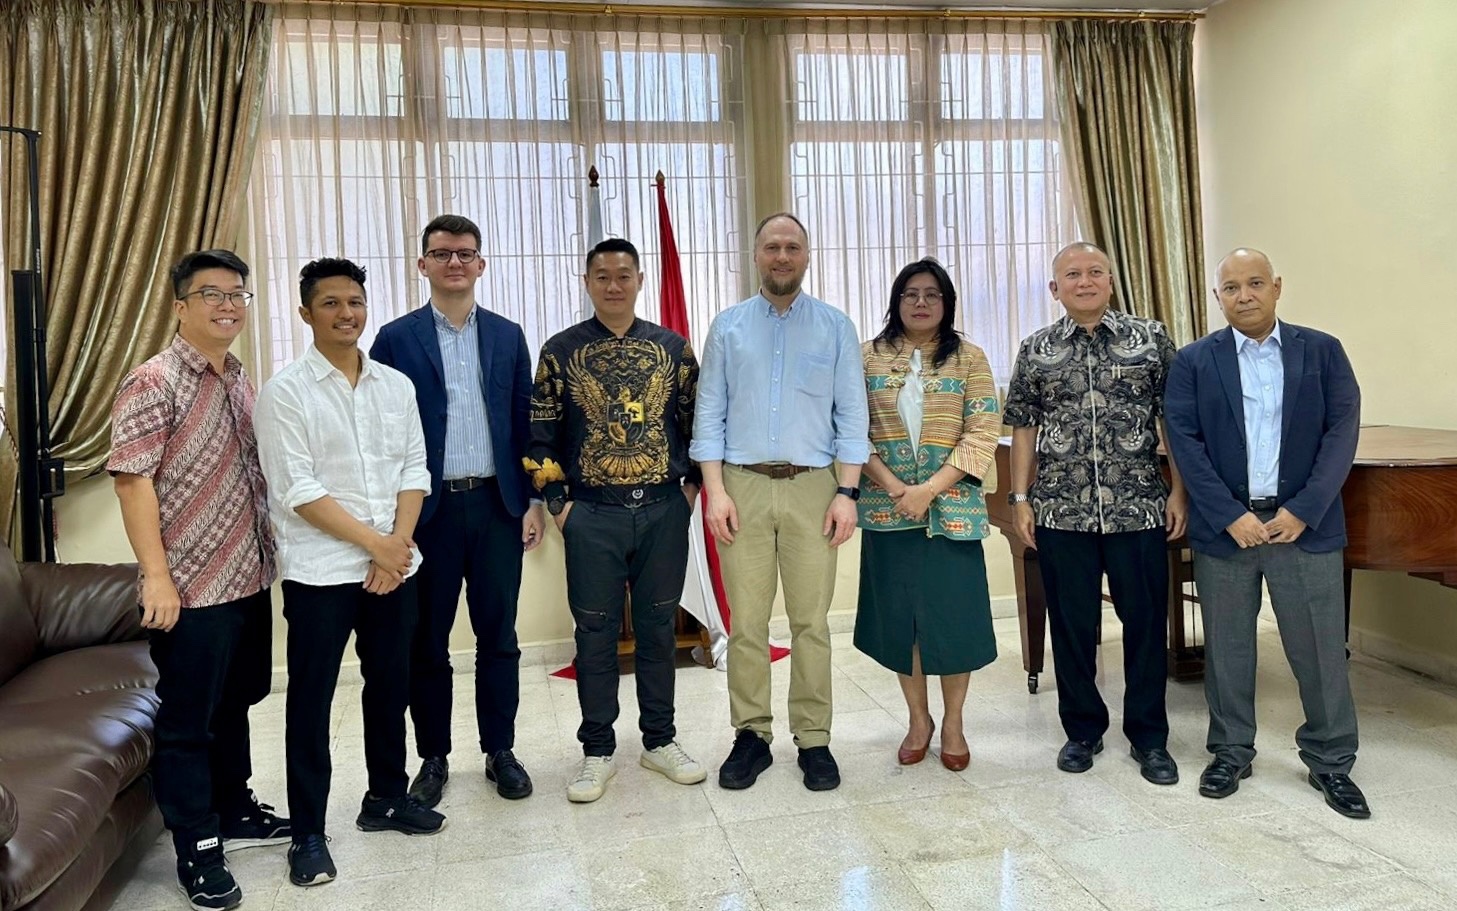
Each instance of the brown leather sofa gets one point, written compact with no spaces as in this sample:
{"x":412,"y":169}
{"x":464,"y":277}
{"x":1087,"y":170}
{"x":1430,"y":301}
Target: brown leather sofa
{"x":77,"y":702}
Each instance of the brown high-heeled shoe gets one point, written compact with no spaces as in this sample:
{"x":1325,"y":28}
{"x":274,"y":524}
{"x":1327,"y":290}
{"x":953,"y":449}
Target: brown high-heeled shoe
{"x":955,"y":762}
{"x":911,"y":757}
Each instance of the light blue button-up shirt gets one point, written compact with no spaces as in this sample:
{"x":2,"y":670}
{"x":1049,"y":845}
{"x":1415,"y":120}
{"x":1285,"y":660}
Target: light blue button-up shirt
{"x":782,"y":388}
{"x":1262,"y":389}
{"x":468,"y":452}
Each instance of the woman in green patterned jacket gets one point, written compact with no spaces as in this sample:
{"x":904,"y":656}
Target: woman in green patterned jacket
{"x":924,"y":605}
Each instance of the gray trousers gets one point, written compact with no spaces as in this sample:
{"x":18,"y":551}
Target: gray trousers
{"x":1308,"y":595}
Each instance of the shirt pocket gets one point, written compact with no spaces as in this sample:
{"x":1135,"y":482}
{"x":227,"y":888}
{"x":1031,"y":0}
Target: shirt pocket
{"x":1135,"y":381}
{"x":814,"y":374}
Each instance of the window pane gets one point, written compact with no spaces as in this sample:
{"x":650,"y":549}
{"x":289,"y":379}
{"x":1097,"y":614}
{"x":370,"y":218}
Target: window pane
{"x":992,"y":85}
{"x":339,"y":77}
{"x":840,"y":86}
{"x":506,"y":83}
{"x":661,"y":86}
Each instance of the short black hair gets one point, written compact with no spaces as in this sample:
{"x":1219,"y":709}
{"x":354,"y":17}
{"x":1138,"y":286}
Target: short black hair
{"x":789,"y":215}
{"x":450,"y":224}
{"x":318,"y":270}
{"x":193,"y":263}
{"x":947,"y":338}
{"x":614,"y":245}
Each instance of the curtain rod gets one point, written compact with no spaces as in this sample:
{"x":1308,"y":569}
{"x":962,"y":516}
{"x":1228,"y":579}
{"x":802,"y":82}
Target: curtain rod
{"x":753,"y":12}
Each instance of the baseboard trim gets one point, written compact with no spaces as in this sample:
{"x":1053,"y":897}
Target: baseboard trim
{"x":1383,"y":648}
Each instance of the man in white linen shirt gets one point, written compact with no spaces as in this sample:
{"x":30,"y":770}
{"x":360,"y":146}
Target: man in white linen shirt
{"x":341,"y":446}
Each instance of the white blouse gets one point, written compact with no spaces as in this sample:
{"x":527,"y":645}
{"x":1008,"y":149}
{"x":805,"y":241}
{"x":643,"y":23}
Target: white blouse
{"x":911,"y":403}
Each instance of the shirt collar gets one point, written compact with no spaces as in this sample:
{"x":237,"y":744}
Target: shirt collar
{"x":442,"y":322}
{"x":198,"y":362}
{"x":1111,"y":318}
{"x":1240,"y":339}
{"x":321,"y":369}
{"x":793,"y":305}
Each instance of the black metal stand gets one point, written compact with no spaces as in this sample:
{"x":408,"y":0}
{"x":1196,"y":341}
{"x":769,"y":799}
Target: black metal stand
{"x":41,"y":476}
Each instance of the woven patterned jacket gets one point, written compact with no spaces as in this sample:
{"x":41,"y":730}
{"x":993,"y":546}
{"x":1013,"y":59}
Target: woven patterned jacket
{"x":961,"y":424}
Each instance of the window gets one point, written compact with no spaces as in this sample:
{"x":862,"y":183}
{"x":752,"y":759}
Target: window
{"x":906,"y":145}
{"x":367,"y":136}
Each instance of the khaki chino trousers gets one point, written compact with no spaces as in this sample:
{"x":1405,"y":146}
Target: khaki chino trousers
{"x":780,"y":539}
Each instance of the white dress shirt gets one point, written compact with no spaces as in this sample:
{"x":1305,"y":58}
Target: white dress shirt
{"x":318,"y":436}
{"x":1262,"y":389}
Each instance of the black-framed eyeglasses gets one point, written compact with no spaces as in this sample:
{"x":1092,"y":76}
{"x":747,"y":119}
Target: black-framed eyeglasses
{"x":215,"y":298}
{"x":443,"y":256}
{"x":932,"y":298}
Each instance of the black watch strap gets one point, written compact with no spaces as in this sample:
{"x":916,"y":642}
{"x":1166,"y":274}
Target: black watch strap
{"x":851,"y":492}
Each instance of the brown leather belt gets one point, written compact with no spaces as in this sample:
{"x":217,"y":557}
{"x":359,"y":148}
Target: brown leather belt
{"x":779,"y":471}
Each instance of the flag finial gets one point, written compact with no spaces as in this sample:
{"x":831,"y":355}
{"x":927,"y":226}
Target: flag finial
{"x":592,"y":176}
{"x":659,"y":178}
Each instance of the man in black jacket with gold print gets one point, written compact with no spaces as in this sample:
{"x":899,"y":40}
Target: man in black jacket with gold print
{"x":611,"y":419}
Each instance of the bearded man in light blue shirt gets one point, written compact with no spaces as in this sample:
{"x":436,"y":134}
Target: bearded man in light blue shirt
{"x":781,"y":431}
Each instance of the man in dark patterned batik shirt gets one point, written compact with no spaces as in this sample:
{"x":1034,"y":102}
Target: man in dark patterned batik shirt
{"x":1086,"y":405}
{"x":611,"y":420}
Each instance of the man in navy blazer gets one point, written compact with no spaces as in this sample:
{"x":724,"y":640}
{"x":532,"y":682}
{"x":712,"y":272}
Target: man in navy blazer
{"x":472,"y":376}
{"x":1262,"y":420}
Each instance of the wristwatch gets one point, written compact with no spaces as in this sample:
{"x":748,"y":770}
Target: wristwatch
{"x":1014,"y":498}
{"x":555,"y":505}
{"x":851,"y":492}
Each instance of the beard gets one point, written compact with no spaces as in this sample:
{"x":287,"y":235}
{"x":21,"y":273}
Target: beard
{"x":784,"y":288}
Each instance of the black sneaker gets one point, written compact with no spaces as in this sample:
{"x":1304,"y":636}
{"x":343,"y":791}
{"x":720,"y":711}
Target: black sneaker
{"x":309,"y":863}
{"x":749,"y":757}
{"x":398,"y":814}
{"x":203,"y":877}
{"x":254,"y":827}
{"x":821,"y":772}
{"x":430,"y":781}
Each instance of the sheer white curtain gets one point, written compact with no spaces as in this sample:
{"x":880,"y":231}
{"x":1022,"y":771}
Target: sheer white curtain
{"x":930,"y":138}
{"x":892,"y":139}
{"x":379,"y":118}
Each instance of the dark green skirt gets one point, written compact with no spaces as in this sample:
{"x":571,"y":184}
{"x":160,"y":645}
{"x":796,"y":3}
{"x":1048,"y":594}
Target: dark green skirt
{"x":926,"y":591}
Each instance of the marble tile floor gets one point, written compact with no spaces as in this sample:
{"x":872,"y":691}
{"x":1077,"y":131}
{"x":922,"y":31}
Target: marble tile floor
{"x":1009,"y":833}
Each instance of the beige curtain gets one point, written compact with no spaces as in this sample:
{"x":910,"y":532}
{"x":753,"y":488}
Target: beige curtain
{"x":147,"y":110}
{"x":894,"y":140}
{"x":1125,"y":91}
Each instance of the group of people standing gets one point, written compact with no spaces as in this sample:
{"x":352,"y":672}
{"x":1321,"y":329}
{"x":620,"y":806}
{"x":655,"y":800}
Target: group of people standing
{"x":377,"y":485}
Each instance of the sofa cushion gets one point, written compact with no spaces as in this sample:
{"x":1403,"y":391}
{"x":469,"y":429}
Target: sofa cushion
{"x":19,"y":636}
{"x":101,"y":668}
{"x":62,"y":799}
{"x":81,"y":604}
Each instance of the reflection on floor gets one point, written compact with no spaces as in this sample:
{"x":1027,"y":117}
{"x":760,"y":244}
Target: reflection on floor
{"x":1011,"y":832}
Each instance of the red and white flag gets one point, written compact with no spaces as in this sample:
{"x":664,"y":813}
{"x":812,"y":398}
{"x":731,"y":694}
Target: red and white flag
{"x":703,"y":593}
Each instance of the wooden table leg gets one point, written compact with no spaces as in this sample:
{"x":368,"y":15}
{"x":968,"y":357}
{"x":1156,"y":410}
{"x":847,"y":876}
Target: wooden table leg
{"x":1031,"y":609}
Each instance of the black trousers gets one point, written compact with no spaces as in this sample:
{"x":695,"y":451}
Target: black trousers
{"x":1136,"y":563}
{"x":211,"y":667}
{"x":320,"y":619}
{"x":471,"y":539}
{"x":612,"y":549}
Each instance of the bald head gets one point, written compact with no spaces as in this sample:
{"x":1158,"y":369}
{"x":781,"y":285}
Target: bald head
{"x":1244,"y":258}
{"x":1080,"y":246}
{"x":1247,"y":290}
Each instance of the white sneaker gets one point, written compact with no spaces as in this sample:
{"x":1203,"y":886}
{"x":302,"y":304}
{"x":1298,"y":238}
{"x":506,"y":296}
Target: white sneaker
{"x":592,"y":780}
{"x":672,"y":762}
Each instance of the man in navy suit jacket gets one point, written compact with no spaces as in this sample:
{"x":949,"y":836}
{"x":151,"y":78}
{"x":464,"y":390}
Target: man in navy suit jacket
{"x":472,"y":376}
{"x":1262,"y":420}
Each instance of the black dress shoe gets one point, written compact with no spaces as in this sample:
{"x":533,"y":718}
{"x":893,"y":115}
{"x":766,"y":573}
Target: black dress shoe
{"x":429,"y":783}
{"x":1156,"y":765}
{"x":1341,"y":794}
{"x":749,"y":757}
{"x":1221,"y":778}
{"x":821,"y":773}
{"x":509,"y":774}
{"x":1077,"y":755}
